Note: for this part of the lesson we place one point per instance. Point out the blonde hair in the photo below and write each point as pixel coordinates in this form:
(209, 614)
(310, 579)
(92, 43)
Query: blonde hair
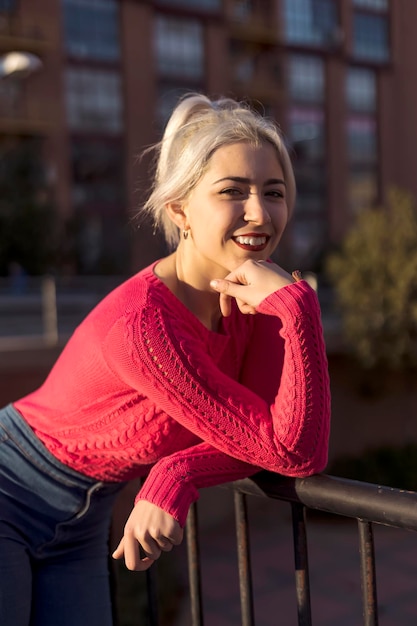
(197, 128)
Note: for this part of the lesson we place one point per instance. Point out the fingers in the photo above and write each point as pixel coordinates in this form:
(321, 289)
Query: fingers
(226, 290)
(151, 530)
(164, 544)
(119, 552)
(133, 559)
(129, 548)
(225, 303)
(249, 284)
(229, 290)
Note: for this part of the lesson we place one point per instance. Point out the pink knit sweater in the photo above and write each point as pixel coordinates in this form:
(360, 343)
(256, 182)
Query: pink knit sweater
(144, 388)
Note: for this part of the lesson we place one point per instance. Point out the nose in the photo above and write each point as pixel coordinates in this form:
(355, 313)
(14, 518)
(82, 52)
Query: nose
(256, 210)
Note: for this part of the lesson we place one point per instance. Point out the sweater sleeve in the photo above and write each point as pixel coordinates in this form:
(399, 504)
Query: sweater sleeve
(174, 481)
(171, 367)
(302, 391)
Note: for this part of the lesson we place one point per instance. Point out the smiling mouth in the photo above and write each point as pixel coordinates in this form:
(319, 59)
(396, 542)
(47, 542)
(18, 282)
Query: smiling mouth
(254, 243)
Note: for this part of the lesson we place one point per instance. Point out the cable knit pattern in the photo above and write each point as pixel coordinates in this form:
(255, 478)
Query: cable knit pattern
(143, 388)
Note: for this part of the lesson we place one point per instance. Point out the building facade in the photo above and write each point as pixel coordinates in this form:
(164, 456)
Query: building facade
(337, 75)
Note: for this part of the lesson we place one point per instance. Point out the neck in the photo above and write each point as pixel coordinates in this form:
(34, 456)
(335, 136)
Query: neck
(192, 289)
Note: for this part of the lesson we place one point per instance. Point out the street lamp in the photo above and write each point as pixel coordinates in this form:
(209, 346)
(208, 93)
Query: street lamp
(15, 67)
(19, 64)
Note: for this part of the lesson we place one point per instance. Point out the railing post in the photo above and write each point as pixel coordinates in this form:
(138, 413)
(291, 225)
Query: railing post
(193, 553)
(49, 310)
(243, 553)
(302, 578)
(368, 579)
(152, 595)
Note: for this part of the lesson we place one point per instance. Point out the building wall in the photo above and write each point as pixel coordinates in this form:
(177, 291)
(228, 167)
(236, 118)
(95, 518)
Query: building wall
(230, 46)
(140, 96)
(398, 100)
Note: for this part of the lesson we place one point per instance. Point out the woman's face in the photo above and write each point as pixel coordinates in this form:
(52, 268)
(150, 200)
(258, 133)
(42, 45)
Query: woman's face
(237, 211)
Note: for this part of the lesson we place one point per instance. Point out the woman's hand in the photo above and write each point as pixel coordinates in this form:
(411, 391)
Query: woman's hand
(150, 528)
(249, 284)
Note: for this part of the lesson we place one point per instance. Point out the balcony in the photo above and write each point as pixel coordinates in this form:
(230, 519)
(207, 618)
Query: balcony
(19, 34)
(258, 76)
(18, 114)
(255, 31)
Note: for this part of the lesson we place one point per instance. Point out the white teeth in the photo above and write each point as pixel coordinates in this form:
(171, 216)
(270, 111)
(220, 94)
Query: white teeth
(251, 241)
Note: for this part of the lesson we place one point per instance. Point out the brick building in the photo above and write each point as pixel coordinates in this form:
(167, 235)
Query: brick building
(338, 76)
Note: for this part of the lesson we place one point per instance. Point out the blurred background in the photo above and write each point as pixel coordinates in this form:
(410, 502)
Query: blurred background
(103, 76)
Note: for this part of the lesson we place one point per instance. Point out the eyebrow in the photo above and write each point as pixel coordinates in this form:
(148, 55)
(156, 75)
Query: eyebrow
(247, 181)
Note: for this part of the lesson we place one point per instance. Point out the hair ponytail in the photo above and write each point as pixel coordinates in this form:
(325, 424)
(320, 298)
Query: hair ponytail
(197, 128)
(183, 112)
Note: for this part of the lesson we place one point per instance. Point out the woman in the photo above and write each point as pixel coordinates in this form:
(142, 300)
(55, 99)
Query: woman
(200, 369)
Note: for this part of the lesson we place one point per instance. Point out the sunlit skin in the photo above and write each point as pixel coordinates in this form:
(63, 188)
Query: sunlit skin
(235, 218)
(242, 193)
(236, 212)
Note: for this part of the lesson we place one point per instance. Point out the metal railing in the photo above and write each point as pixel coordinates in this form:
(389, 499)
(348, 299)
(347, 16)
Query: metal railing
(47, 307)
(369, 504)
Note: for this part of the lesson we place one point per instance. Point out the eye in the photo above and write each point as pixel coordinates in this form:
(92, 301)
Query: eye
(275, 193)
(231, 191)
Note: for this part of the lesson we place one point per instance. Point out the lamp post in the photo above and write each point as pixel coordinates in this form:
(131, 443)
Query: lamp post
(15, 67)
(19, 65)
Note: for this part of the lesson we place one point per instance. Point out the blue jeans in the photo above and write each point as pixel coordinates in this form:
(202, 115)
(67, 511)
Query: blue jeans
(54, 531)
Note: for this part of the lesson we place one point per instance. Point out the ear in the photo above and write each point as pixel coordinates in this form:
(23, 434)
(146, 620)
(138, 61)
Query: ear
(176, 214)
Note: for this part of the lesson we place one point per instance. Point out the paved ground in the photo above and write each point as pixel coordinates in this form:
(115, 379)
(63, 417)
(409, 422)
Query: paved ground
(334, 572)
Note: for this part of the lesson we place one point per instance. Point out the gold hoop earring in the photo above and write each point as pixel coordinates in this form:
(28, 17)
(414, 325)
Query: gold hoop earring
(185, 234)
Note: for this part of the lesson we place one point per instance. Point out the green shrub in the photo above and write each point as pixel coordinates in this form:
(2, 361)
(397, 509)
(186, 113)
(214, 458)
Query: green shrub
(375, 280)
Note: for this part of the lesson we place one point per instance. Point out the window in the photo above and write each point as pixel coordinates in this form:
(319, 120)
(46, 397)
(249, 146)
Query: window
(370, 37)
(242, 10)
(256, 71)
(98, 189)
(97, 172)
(243, 61)
(179, 47)
(101, 244)
(363, 189)
(372, 4)
(10, 93)
(308, 240)
(361, 89)
(168, 95)
(311, 185)
(244, 69)
(246, 12)
(311, 22)
(306, 78)
(94, 101)
(306, 130)
(7, 6)
(362, 139)
(91, 29)
(308, 229)
(207, 5)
